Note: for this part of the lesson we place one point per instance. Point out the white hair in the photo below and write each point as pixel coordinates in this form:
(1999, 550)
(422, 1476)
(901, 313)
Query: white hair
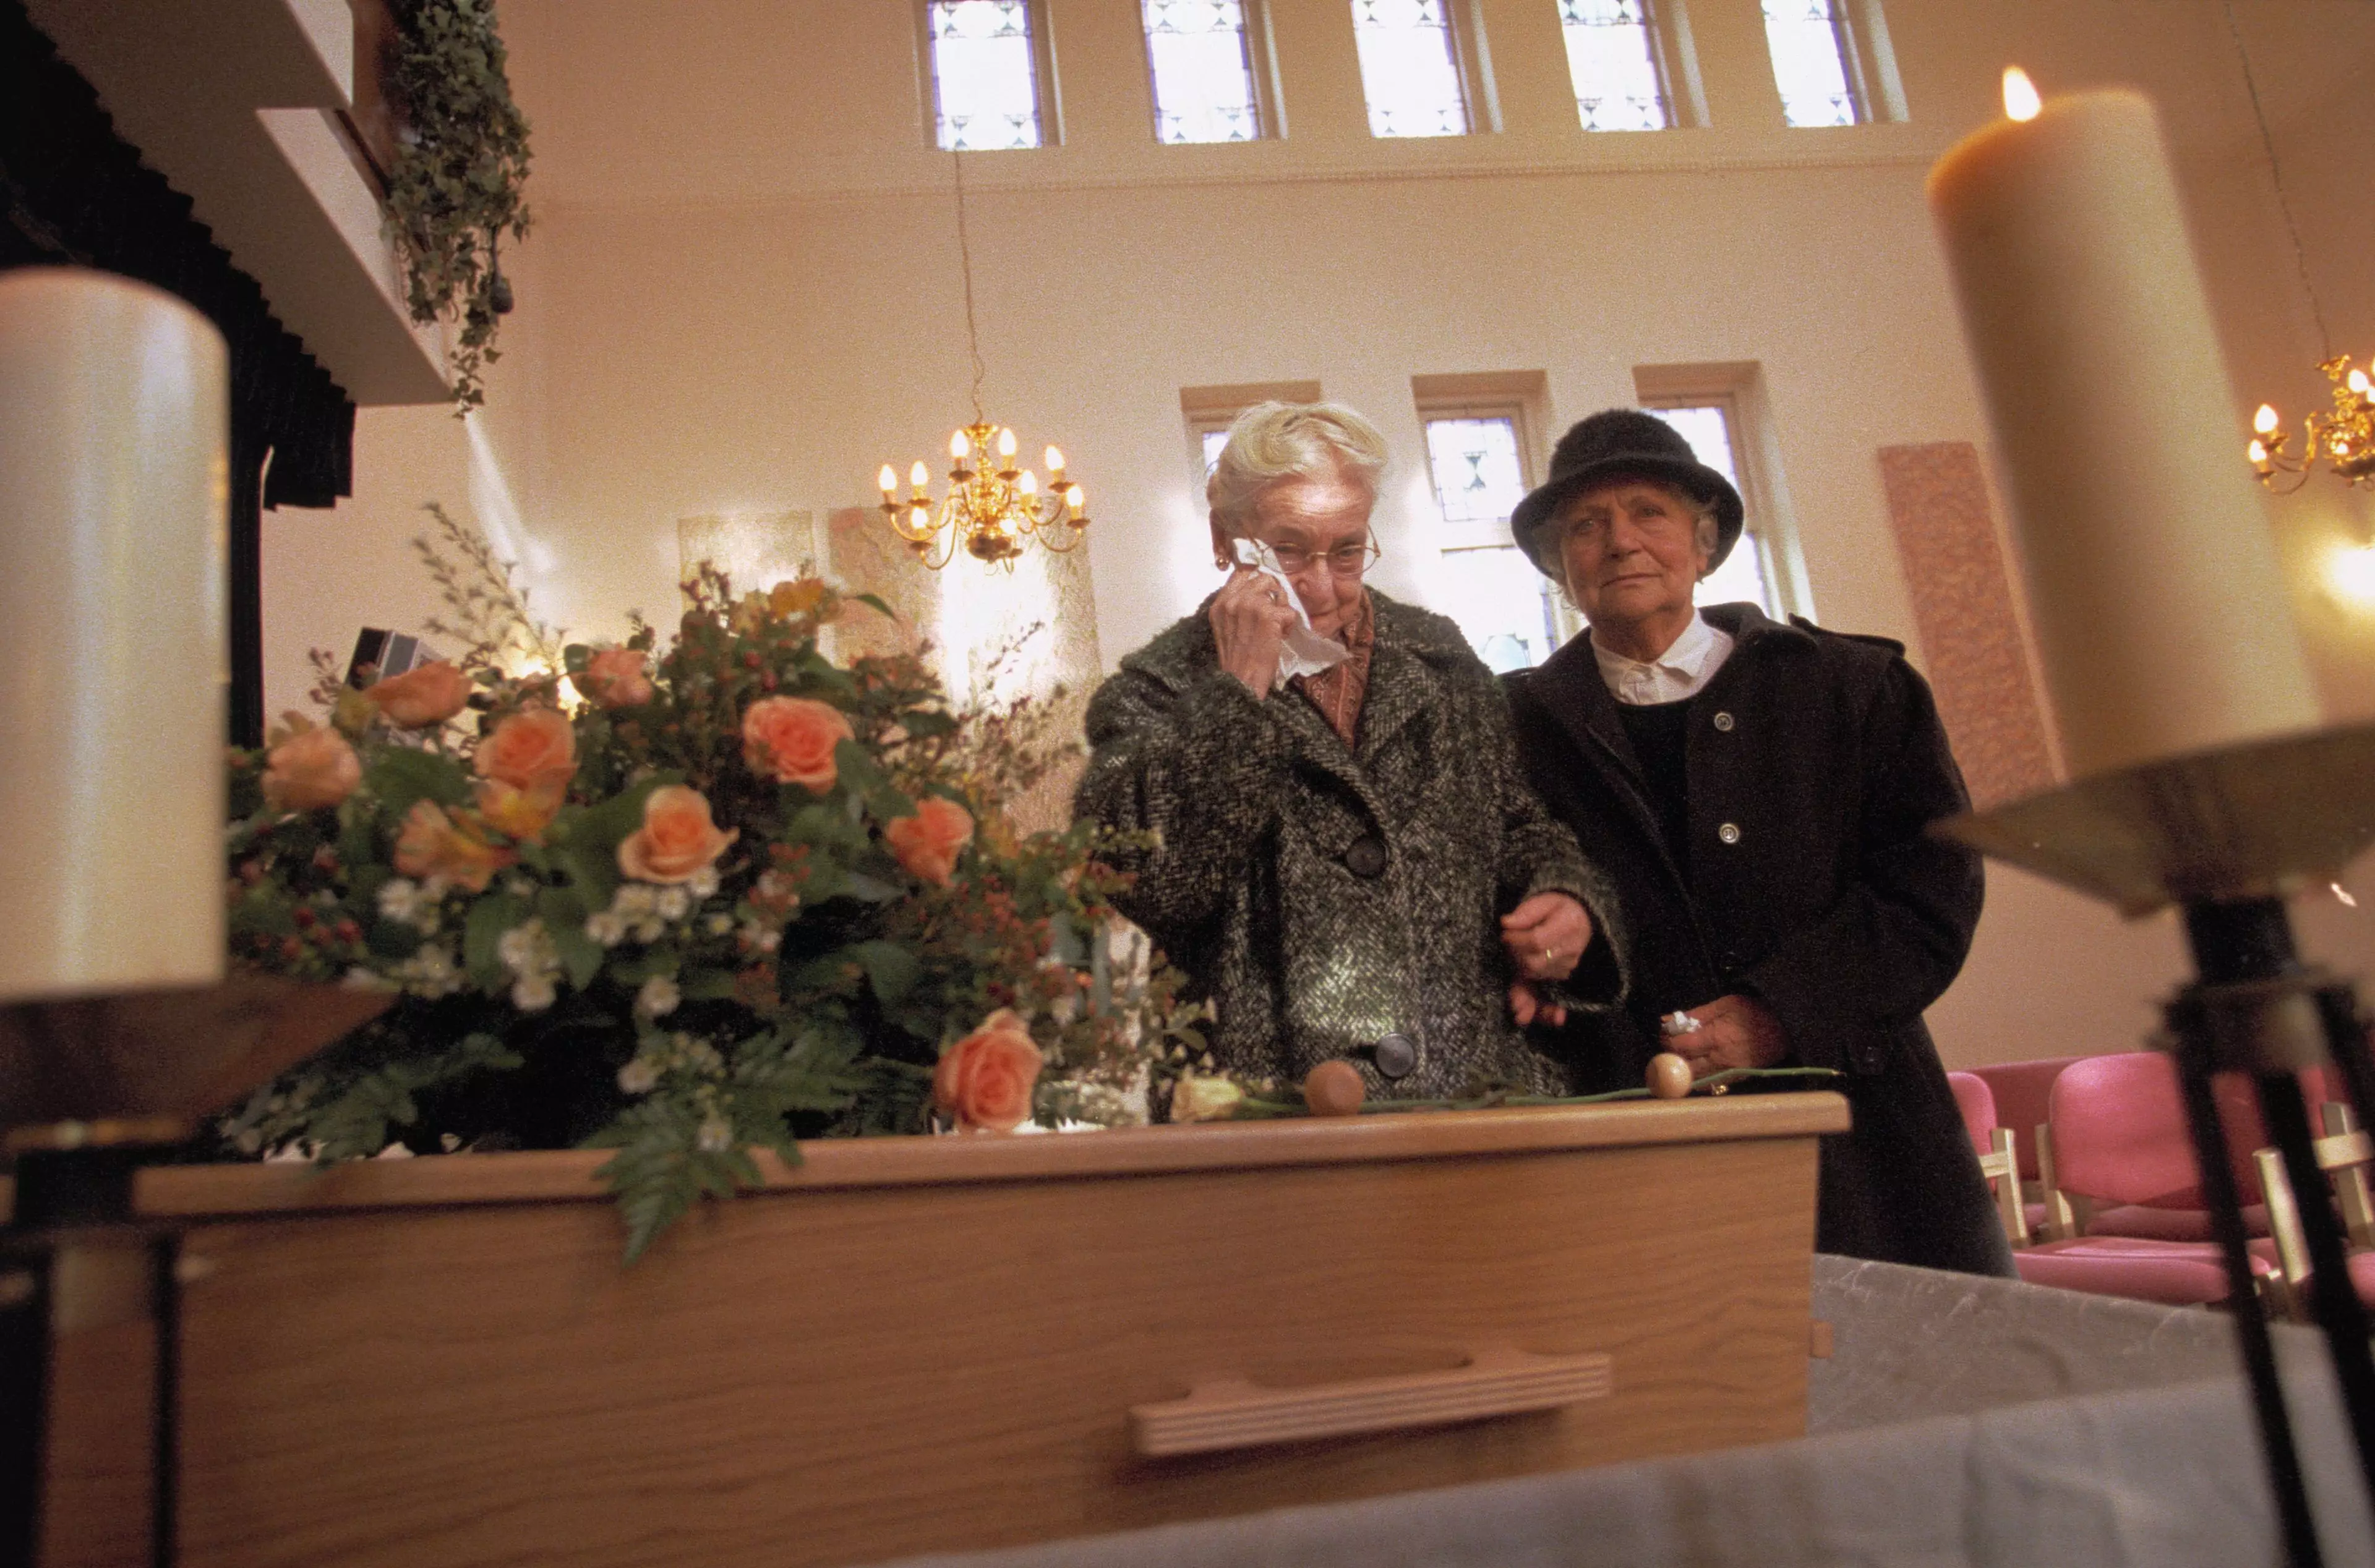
(1273, 441)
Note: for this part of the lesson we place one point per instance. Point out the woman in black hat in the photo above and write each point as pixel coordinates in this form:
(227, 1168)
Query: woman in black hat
(1758, 793)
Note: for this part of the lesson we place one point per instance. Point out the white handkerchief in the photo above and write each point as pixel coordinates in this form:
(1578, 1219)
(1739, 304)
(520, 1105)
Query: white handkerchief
(1306, 651)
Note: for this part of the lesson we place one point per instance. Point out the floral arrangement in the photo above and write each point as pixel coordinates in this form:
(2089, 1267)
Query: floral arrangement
(681, 903)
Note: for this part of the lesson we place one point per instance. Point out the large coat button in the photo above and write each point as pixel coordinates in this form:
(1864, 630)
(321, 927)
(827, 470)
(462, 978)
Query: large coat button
(1729, 832)
(1366, 856)
(1723, 721)
(1397, 1057)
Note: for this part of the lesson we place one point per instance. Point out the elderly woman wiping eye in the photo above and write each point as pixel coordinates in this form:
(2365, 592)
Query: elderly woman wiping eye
(1345, 858)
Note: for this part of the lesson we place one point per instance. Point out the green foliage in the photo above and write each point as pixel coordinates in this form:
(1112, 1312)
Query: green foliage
(460, 167)
(557, 988)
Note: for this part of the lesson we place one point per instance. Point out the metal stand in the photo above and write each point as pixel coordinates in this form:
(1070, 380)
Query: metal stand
(2228, 835)
(70, 1200)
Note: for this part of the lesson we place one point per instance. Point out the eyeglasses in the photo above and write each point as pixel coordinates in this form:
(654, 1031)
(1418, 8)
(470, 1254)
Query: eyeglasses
(1345, 561)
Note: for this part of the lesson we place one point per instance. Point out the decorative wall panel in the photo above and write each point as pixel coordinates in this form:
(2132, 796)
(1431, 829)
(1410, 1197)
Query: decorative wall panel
(1963, 605)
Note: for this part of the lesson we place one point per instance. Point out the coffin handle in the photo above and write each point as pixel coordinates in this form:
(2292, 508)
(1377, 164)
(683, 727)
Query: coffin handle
(1233, 1413)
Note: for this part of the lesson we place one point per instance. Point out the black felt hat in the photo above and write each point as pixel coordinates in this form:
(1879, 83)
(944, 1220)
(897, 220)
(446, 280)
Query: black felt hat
(1613, 444)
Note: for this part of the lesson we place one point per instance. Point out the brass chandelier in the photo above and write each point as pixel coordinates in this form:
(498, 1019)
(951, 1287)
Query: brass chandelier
(995, 506)
(2342, 440)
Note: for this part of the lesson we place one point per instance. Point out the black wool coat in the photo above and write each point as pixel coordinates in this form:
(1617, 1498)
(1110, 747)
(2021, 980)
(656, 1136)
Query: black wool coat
(1813, 762)
(1323, 897)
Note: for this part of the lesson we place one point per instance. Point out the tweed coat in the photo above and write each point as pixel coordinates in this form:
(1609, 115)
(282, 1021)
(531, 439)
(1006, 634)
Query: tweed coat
(1813, 761)
(1323, 897)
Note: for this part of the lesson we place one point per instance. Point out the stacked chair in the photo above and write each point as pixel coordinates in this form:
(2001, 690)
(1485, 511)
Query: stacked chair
(2105, 1196)
(2124, 1211)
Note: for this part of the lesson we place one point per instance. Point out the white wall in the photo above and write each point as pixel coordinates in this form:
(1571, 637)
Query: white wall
(744, 295)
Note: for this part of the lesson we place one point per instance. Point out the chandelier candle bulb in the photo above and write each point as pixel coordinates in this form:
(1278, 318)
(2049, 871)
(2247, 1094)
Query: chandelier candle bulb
(114, 440)
(1028, 484)
(1006, 442)
(1056, 467)
(2160, 610)
(888, 480)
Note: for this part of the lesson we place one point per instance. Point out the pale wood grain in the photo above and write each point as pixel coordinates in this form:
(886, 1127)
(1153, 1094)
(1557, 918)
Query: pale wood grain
(1233, 1413)
(900, 1161)
(913, 1352)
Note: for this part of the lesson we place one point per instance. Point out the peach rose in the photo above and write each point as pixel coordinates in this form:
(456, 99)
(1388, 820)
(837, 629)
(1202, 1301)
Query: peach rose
(926, 843)
(790, 739)
(310, 769)
(676, 838)
(531, 748)
(522, 814)
(422, 696)
(431, 843)
(800, 596)
(615, 678)
(985, 1080)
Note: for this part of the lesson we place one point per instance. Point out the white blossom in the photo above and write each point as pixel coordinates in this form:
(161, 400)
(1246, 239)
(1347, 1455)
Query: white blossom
(533, 995)
(672, 904)
(716, 1137)
(606, 928)
(657, 998)
(720, 923)
(703, 883)
(639, 1077)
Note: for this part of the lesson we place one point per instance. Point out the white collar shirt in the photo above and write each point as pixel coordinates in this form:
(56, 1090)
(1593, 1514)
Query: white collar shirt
(1682, 671)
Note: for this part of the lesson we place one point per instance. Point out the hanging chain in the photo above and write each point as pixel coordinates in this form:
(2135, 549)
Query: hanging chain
(2276, 176)
(964, 254)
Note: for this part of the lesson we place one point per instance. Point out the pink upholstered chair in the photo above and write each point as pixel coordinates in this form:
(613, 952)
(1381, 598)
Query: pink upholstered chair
(1998, 1162)
(2024, 1092)
(2118, 1142)
(2344, 1154)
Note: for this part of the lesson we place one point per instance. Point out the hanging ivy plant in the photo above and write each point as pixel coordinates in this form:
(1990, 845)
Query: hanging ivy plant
(455, 190)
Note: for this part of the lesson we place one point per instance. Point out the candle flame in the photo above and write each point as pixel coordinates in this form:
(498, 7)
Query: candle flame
(959, 447)
(887, 480)
(1006, 444)
(2020, 98)
(919, 476)
(1028, 484)
(1055, 460)
(2257, 452)
(2264, 422)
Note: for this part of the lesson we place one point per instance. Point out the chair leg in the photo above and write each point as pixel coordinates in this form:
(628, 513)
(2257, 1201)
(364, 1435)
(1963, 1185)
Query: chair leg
(2010, 1207)
(2061, 1218)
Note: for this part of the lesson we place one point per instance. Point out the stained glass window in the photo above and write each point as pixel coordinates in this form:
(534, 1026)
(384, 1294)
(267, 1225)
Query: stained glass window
(1203, 71)
(984, 74)
(1487, 586)
(1410, 68)
(1741, 579)
(1613, 61)
(1808, 41)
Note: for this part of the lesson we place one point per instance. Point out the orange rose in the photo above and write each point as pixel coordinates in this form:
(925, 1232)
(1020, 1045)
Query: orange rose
(676, 838)
(615, 678)
(422, 696)
(926, 843)
(790, 739)
(985, 1079)
(533, 747)
(433, 844)
(522, 814)
(800, 596)
(310, 769)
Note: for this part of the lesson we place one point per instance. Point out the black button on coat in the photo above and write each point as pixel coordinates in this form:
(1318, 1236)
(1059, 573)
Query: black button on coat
(1325, 898)
(1808, 883)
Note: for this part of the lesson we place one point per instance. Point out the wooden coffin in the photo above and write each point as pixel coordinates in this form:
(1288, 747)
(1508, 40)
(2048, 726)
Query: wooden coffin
(910, 1344)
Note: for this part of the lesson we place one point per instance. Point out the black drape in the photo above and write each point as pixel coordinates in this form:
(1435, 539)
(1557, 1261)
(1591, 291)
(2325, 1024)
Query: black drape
(74, 194)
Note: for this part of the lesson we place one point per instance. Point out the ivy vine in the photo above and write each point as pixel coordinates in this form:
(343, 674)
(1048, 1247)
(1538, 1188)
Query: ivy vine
(460, 168)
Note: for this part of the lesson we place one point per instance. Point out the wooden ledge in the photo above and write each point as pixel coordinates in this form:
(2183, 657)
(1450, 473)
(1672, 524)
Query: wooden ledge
(567, 1175)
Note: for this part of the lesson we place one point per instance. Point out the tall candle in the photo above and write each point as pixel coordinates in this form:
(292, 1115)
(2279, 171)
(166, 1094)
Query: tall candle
(115, 427)
(2153, 582)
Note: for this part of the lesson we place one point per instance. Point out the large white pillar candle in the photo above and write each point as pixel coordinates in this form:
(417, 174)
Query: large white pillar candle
(2159, 609)
(114, 477)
